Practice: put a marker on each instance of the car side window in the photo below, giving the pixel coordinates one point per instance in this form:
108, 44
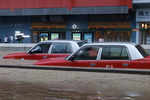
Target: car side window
61, 48
88, 53
45, 48
41, 48
114, 53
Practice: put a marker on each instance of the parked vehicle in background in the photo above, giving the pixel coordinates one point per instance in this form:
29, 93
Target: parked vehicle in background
48, 49
104, 55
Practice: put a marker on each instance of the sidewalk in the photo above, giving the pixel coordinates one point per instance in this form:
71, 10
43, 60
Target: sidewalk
16, 46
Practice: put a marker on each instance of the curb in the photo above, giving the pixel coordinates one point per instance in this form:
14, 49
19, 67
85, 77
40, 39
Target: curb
104, 70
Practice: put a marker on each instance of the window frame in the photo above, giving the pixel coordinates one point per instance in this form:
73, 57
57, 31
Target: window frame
51, 47
41, 48
110, 46
98, 54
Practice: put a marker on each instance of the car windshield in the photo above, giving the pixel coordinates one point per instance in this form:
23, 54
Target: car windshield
142, 50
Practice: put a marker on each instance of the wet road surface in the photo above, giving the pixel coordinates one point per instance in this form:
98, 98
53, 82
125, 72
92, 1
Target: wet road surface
27, 84
24, 84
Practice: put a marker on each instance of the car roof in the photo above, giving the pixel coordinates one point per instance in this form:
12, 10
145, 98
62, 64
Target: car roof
57, 41
75, 42
134, 53
113, 43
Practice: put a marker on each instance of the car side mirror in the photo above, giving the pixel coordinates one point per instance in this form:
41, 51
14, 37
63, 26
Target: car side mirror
72, 58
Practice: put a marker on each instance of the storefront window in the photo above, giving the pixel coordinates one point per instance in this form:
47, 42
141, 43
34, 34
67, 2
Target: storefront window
117, 36
76, 36
145, 33
145, 38
88, 37
54, 36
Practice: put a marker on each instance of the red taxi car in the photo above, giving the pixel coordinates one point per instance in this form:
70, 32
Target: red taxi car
48, 49
104, 55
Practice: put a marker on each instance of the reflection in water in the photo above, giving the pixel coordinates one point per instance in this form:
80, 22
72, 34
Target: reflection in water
133, 94
127, 98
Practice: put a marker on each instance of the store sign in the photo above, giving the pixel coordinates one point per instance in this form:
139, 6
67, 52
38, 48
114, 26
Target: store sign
140, 1
135, 30
143, 15
74, 26
18, 33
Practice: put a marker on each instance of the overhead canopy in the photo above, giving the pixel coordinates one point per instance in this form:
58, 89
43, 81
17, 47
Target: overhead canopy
63, 7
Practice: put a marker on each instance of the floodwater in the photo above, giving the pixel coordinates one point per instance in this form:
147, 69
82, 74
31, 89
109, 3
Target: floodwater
27, 84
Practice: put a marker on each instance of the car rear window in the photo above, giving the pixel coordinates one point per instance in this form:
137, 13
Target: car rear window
142, 50
81, 43
114, 53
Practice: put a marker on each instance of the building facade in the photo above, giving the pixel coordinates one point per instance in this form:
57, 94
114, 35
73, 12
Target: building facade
142, 8
91, 20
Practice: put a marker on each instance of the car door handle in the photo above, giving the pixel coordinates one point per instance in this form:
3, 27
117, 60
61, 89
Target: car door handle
44, 57
125, 64
92, 64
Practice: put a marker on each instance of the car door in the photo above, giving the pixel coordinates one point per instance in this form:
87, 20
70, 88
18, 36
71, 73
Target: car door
85, 57
60, 49
39, 52
115, 57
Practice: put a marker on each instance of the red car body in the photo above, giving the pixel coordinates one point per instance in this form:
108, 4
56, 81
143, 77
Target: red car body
48, 49
27, 56
136, 64
135, 60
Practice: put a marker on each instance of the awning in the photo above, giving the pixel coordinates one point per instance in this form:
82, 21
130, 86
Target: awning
65, 11
82, 30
